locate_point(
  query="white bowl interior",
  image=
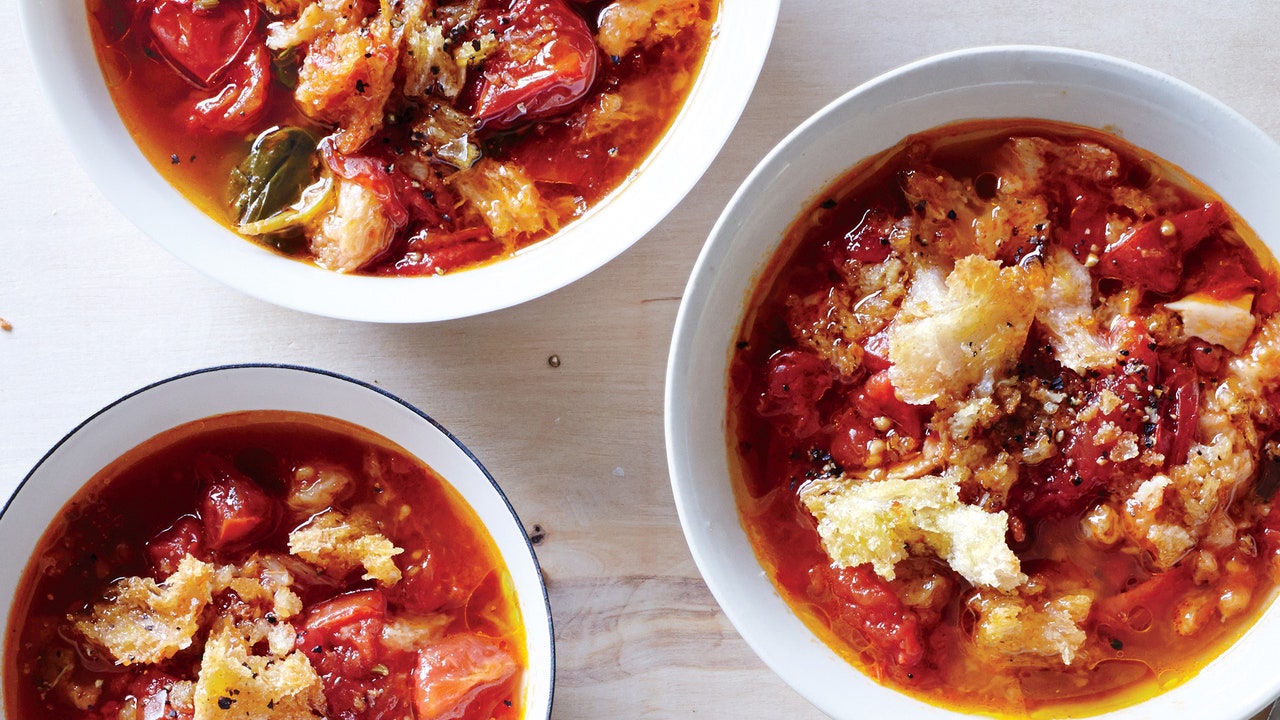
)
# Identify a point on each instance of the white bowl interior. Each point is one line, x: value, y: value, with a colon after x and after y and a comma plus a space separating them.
x: 1153, y: 111
x: 142, y: 415
x: 58, y: 36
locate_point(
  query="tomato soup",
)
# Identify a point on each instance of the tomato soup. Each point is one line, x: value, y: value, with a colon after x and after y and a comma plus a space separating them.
x: 1002, y: 420
x: 409, y: 138
x: 266, y: 564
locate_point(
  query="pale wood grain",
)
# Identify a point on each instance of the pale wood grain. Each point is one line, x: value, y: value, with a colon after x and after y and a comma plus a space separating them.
x: 98, y: 310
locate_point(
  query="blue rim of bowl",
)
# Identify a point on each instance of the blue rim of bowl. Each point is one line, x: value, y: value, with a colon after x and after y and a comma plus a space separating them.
x: 715, y: 249
x: 546, y: 600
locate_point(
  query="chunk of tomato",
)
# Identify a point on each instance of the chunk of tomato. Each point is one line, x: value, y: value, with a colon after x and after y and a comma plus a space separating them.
x: 1086, y: 224
x: 234, y: 509
x: 429, y: 251
x: 794, y: 382
x: 342, y: 638
x: 168, y: 548
x: 201, y: 40
x: 892, y: 628
x: 237, y: 106
x: 1150, y: 255
x: 332, y: 615
x: 868, y: 240
x: 347, y: 631
x: 1146, y: 400
x: 855, y: 425
x: 400, y: 198
x: 879, y: 398
x: 452, y: 673
x: 546, y: 60
x: 1179, y: 412
x: 851, y: 439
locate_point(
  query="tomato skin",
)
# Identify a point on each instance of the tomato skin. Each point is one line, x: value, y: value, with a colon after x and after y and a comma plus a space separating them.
x: 1179, y: 412
x: 237, y: 106
x: 402, y: 201
x: 233, y: 508
x: 1143, y: 383
x: 546, y: 60
x: 875, y: 352
x: 853, y: 433
x: 152, y: 692
x: 1150, y: 258
x: 878, y: 397
x: 450, y: 674
x: 854, y: 428
x: 867, y: 242
x: 168, y: 548
x: 794, y: 382
x: 447, y: 251
x: 354, y: 621
x: 202, y: 42
x: 1086, y: 224
x: 1223, y: 271
x: 342, y: 638
x: 892, y: 629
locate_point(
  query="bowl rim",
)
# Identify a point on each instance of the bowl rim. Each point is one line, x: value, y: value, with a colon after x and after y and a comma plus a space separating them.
x: 694, y: 305
x: 58, y: 39
x: 493, y: 483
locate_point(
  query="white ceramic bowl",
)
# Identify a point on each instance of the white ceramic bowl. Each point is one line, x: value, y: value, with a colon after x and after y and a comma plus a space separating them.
x: 57, y: 34
x: 1150, y: 110
x: 141, y: 415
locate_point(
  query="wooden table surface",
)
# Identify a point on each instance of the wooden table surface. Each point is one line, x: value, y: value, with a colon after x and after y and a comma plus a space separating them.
x: 98, y: 310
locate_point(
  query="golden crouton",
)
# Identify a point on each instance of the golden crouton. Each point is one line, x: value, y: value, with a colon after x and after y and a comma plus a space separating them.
x: 235, y: 684
x: 337, y: 545
x: 946, y: 341
x: 1030, y: 628
x: 880, y: 522
x: 504, y: 195
x: 143, y: 621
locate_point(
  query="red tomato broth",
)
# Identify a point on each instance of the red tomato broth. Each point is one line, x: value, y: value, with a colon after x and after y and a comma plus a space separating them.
x: 450, y: 566
x: 1133, y: 649
x: 571, y: 174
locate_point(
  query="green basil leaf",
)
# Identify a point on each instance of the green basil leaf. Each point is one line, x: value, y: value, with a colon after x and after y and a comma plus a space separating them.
x: 280, y: 165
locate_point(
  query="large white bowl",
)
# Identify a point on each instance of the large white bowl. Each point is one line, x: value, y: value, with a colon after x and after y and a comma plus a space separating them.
x: 1151, y: 110
x: 57, y: 33
x: 141, y: 415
